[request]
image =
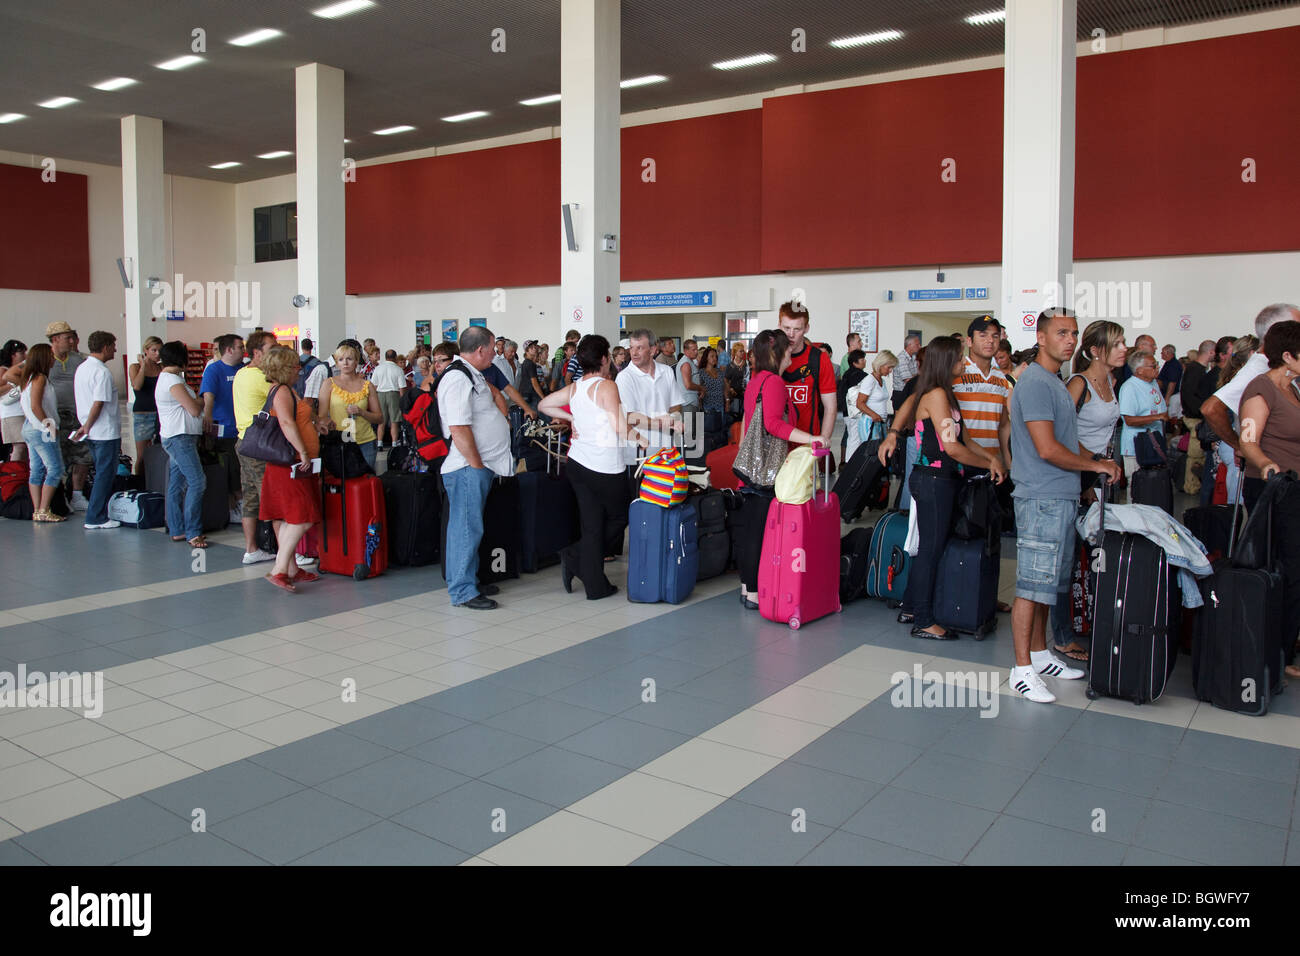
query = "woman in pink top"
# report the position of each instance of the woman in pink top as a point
(770, 355)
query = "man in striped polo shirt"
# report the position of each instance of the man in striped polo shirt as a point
(983, 392)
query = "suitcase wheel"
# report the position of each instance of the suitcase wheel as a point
(1090, 693)
(794, 623)
(360, 572)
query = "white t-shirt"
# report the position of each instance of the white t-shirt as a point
(94, 383)
(1231, 393)
(173, 419)
(688, 398)
(315, 380)
(387, 377)
(638, 392)
(50, 409)
(463, 403)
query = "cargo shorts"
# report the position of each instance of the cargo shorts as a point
(251, 472)
(1045, 547)
(74, 452)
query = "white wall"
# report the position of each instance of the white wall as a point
(277, 282)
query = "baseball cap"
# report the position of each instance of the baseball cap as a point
(981, 324)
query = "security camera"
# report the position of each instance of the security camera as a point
(300, 300)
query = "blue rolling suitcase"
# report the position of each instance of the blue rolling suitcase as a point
(663, 553)
(966, 592)
(887, 573)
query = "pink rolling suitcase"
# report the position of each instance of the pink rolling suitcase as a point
(799, 573)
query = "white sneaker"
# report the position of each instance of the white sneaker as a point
(1029, 685)
(304, 561)
(258, 556)
(1052, 667)
(78, 502)
(106, 524)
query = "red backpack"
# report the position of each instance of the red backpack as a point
(13, 477)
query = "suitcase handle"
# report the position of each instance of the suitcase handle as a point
(823, 456)
(1236, 513)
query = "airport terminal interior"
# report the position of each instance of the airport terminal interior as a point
(410, 171)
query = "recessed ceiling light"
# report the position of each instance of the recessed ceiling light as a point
(541, 100)
(393, 129)
(335, 10)
(642, 81)
(58, 102)
(460, 117)
(276, 154)
(12, 117)
(257, 36)
(180, 63)
(867, 38)
(743, 61)
(115, 84)
(224, 165)
(979, 19)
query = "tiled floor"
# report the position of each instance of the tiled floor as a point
(557, 730)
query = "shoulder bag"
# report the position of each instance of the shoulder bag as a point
(265, 441)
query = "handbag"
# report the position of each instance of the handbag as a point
(976, 514)
(1149, 449)
(666, 481)
(1254, 546)
(760, 454)
(264, 440)
(342, 459)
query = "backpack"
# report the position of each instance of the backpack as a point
(304, 373)
(426, 421)
(791, 377)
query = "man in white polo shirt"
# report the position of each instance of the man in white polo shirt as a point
(480, 450)
(389, 381)
(1215, 409)
(101, 425)
(651, 398)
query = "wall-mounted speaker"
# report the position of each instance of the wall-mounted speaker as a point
(571, 237)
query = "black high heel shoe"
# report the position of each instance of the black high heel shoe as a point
(566, 577)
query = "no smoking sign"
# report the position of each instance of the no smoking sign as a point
(1184, 322)
(1029, 319)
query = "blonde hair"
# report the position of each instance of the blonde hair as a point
(151, 340)
(346, 349)
(280, 365)
(884, 358)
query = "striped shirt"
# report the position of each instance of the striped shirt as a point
(983, 402)
(905, 369)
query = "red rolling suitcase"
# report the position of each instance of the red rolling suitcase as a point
(353, 532)
(799, 573)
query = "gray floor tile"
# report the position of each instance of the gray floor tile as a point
(740, 834)
(1209, 837)
(667, 673)
(1236, 755)
(546, 720)
(321, 756)
(539, 677)
(682, 713)
(972, 782)
(784, 668)
(985, 740)
(827, 798)
(11, 854)
(474, 750)
(917, 726)
(194, 849)
(1015, 842)
(224, 792)
(920, 823)
(842, 848)
(556, 777)
(1125, 733)
(738, 691)
(1015, 713)
(104, 835)
(108, 625)
(1105, 767)
(293, 826)
(598, 656)
(404, 726)
(665, 855)
(156, 645)
(385, 844)
(468, 817)
(1070, 805)
(1139, 856)
(477, 700)
(1293, 851)
(1232, 794)
(94, 658)
(869, 758)
(393, 784)
(601, 693)
(708, 650)
(625, 743)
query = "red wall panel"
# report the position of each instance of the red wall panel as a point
(1160, 138)
(702, 216)
(471, 220)
(44, 231)
(851, 177)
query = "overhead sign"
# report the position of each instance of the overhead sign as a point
(665, 300)
(175, 315)
(979, 293)
(929, 295)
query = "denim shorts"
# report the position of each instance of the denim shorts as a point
(1045, 547)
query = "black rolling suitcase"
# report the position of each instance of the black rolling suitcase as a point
(548, 514)
(714, 538)
(412, 503)
(1152, 485)
(154, 464)
(859, 483)
(1212, 525)
(966, 587)
(498, 551)
(855, 559)
(1135, 617)
(216, 497)
(1238, 650)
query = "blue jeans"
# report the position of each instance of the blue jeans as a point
(934, 496)
(1229, 457)
(1207, 476)
(368, 452)
(467, 491)
(184, 474)
(1045, 543)
(105, 455)
(46, 459)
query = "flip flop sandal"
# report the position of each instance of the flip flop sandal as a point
(304, 576)
(1080, 656)
(199, 542)
(178, 538)
(281, 581)
(1004, 607)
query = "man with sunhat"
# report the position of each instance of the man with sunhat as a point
(76, 455)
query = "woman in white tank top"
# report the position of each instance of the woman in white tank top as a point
(596, 468)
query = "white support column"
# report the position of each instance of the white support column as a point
(144, 233)
(321, 216)
(1037, 161)
(589, 164)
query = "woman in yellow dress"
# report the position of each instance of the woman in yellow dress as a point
(348, 397)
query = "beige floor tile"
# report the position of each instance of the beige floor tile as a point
(219, 750)
(366, 675)
(577, 633)
(138, 671)
(59, 802)
(343, 712)
(8, 830)
(503, 635)
(376, 628)
(311, 691)
(458, 648)
(62, 737)
(455, 626)
(236, 665)
(708, 765)
(287, 651)
(1273, 728)
(266, 680)
(542, 644)
(1170, 710)
(319, 665)
(412, 661)
(566, 839)
(193, 656)
(286, 728)
(32, 775)
(117, 697)
(167, 684)
(403, 690)
(248, 710)
(11, 754)
(25, 720)
(477, 861)
(144, 774)
(206, 697)
(178, 732)
(499, 658)
(371, 651)
(294, 632)
(812, 705)
(765, 733)
(330, 641)
(454, 673)
(144, 714)
(650, 806)
(345, 621)
(247, 643)
(100, 755)
(861, 683)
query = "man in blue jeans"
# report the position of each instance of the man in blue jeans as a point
(1045, 463)
(101, 425)
(480, 451)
